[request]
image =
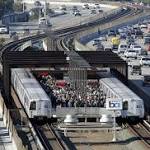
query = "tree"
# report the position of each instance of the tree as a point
(6, 6)
(18, 6)
(2, 41)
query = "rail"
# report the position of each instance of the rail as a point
(48, 137)
(142, 132)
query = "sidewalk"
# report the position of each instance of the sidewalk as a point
(5, 141)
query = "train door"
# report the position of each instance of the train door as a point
(125, 109)
(32, 109)
(43, 108)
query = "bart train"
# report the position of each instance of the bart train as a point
(34, 99)
(133, 105)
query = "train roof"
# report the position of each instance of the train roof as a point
(119, 88)
(31, 85)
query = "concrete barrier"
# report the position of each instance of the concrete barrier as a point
(8, 122)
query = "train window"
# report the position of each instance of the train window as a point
(125, 105)
(33, 106)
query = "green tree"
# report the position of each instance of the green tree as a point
(2, 41)
(6, 6)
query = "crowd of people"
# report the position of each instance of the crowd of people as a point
(62, 95)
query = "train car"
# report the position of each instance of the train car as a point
(32, 96)
(133, 105)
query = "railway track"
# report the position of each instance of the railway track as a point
(48, 137)
(141, 131)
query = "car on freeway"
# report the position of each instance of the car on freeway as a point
(96, 42)
(74, 8)
(122, 48)
(63, 7)
(85, 6)
(93, 11)
(136, 69)
(4, 30)
(111, 33)
(77, 13)
(97, 6)
(130, 54)
(100, 11)
(103, 38)
(145, 61)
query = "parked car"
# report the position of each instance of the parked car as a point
(137, 48)
(123, 35)
(136, 69)
(100, 11)
(63, 7)
(103, 38)
(130, 54)
(96, 42)
(4, 30)
(77, 13)
(143, 26)
(147, 39)
(122, 48)
(97, 6)
(86, 6)
(93, 11)
(146, 80)
(130, 40)
(111, 33)
(145, 61)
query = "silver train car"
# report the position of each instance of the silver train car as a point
(34, 99)
(133, 105)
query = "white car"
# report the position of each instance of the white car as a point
(3, 30)
(103, 38)
(143, 26)
(122, 48)
(145, 61)
(137, 48)
(96, 42)
(130, 54)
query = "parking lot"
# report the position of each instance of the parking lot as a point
(105, 42)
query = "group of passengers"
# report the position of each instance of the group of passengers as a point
(65, 96)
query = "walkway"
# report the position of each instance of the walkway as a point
(5, 141)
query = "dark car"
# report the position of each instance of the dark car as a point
(111, 33)
(146, 80)
(130, 40)
(123, 35)
(139, 33)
